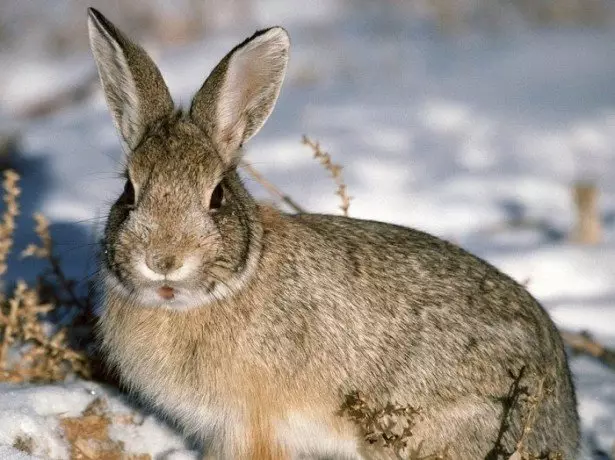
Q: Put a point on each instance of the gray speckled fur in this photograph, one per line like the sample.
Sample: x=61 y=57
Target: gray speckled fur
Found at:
x=313 y=306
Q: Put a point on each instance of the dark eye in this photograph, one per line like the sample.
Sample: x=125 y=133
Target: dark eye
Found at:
x=128 y=196
x=216 y=197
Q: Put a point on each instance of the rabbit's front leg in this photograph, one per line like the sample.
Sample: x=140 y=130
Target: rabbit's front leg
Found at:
x=253 y=441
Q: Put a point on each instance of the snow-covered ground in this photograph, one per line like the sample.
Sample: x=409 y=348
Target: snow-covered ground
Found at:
x=457 y=135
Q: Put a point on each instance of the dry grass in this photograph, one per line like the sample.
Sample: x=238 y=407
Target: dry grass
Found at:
x=88 y=435
x=336 y=172
x=388 y=428
x=24 y=444
x=31 y=349
x=530 y=402
x=7 y=226
x=324 y=158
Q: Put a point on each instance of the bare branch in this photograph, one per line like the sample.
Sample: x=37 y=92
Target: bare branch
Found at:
x=272 y=189
x=582 y=342
x=334 y=169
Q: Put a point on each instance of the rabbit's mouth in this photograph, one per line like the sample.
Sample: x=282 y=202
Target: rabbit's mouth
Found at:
x=193 y=285
x=166 y=292
x=168 y=296
x=171 y=293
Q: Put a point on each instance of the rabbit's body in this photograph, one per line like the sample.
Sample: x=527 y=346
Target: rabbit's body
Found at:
x=447 y=335
x=250 y=327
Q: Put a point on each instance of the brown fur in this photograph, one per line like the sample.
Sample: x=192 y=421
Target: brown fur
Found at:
x=277 y=317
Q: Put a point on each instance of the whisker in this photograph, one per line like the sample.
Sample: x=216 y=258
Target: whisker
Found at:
x=217 y=279
x=90 y=219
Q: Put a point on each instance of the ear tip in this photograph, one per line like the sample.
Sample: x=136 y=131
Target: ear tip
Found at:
x=97 y=22
x=94 y=14
x=278 y=33
x=278 y=30
x=274 y=35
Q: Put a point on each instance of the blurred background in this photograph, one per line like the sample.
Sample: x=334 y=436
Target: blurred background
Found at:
x=487 y=122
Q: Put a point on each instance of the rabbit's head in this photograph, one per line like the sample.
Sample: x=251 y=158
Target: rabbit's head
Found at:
x=184 y=231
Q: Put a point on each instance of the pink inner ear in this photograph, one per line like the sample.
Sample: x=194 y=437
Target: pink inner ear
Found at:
x=251 y=84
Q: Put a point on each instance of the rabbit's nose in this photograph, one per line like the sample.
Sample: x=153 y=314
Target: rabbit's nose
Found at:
x=162 y=264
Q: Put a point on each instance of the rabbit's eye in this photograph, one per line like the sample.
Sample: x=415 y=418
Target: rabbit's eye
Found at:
x=128 y=196
x=216 y=197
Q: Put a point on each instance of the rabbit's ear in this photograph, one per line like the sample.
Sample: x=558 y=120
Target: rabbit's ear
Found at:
x=239 y=95
x=135 y=91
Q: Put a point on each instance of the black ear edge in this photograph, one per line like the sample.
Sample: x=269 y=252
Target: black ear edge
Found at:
x=104 y=26
x=257 y=34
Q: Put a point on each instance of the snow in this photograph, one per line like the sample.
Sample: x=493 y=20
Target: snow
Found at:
x=460 y=136
x=35 y=411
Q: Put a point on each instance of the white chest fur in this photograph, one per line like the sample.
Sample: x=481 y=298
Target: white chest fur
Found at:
x=226 y=432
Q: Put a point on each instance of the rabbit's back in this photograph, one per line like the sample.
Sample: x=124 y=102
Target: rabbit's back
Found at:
x=403 y=316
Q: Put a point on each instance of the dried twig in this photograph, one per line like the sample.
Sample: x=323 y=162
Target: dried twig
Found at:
x=388 y=428
x=45 y=251
x=582 y=342
x=530 y=403
x=9 y=322
x=533 y=403
x=334 y=169
x=63 y=98
x=588 y=228
x=272 y=189
x=7 y=226
x=509 y=403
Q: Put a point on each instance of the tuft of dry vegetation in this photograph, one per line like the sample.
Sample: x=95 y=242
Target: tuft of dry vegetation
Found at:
x=389 y=427
x=88 y=435
x=24 y=443
x=336 y=172
x=7 y=226
x=31 y=348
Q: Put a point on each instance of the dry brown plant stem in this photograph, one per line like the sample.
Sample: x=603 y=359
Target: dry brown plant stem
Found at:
x=62 y=99
x=8 y=334
x=45 y=251
x=583 y=343
x=588 y=226
x=272 y=189
x=336 y=171
x=530 y=418
x=7 y=226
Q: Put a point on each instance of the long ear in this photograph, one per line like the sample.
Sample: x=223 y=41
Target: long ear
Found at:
x=239 y=95
x=135 y=91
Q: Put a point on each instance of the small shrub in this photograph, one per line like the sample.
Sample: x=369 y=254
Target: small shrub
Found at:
x=31 y=347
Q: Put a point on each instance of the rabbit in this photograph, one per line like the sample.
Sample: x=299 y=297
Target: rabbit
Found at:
x=249 y=327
